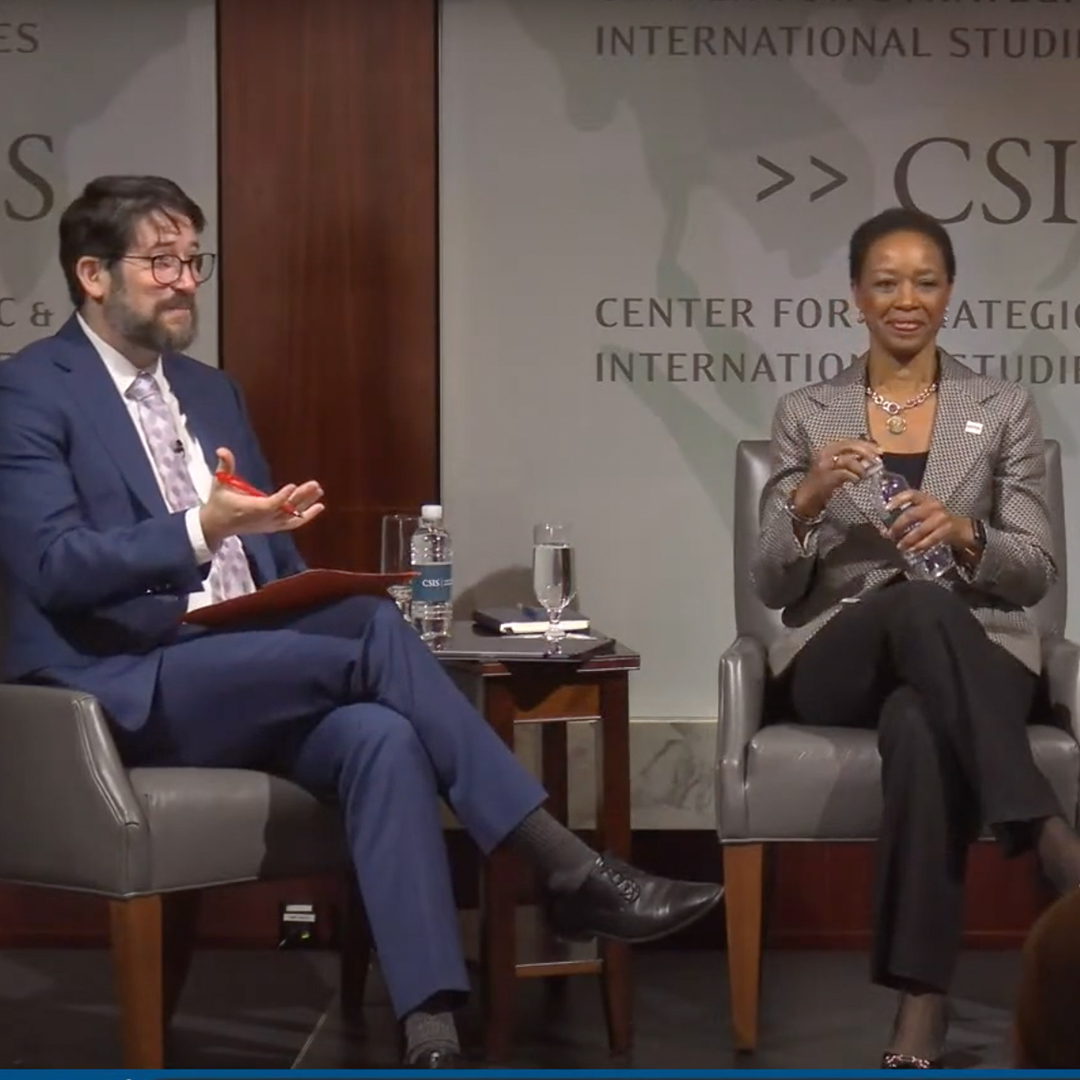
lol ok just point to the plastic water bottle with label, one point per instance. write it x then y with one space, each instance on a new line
927 565
432 559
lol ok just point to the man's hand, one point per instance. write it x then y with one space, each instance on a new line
930 524
231 513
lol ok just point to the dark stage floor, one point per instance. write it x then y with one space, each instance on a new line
278 1010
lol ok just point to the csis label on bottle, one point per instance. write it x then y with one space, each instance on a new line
432 584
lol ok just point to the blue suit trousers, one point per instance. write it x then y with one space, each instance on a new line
351 704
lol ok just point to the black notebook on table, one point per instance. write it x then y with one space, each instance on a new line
525 619
467 642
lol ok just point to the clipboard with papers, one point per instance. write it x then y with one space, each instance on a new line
299 592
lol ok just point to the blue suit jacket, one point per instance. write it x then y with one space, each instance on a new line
97 569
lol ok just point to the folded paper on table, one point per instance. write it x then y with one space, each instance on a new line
524 619
299 592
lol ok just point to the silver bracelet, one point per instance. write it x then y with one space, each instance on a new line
809 523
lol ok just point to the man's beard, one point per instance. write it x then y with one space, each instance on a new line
152 332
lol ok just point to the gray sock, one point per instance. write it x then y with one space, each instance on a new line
562 859
431 1027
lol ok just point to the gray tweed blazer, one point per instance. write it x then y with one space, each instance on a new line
986 461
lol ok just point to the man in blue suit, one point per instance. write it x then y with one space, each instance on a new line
112 526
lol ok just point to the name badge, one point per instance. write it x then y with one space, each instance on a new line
973 427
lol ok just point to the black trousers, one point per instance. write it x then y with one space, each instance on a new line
951 708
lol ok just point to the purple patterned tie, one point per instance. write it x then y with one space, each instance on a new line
229 574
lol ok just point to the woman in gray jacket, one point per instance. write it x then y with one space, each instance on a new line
946 668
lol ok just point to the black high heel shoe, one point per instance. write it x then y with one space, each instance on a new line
908 1061
892 1059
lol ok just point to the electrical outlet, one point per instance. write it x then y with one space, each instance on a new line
296 926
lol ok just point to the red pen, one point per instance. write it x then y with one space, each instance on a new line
237 484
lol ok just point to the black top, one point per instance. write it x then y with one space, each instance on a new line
910 466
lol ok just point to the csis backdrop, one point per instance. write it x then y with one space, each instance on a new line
89 88
645 206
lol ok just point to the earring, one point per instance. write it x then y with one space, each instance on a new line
860 317
945 319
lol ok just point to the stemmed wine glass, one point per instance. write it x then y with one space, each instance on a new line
397 534
553 574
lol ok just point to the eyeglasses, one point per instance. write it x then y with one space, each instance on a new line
169 269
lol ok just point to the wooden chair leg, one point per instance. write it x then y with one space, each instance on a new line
743 871
180 924
355 954
137 958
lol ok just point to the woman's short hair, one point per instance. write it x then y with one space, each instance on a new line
898 219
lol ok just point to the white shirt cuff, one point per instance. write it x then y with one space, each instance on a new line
203 554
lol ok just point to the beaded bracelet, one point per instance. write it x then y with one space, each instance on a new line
789 506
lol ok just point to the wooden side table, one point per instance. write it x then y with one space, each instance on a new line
514 942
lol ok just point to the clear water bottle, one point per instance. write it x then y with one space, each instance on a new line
432 559
927 565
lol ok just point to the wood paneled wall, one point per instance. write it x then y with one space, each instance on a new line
817 897
329 291
329 251
329 267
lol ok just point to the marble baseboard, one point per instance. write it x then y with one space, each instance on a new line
671 772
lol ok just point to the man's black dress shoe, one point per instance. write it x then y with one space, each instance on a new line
620 902
437 1059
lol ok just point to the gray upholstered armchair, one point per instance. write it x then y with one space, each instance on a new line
778 781
72 817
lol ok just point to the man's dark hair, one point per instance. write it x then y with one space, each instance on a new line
101 222
898 219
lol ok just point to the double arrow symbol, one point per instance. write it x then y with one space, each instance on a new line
837 178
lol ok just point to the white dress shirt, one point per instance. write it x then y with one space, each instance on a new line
123 373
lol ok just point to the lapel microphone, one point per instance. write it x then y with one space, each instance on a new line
178 447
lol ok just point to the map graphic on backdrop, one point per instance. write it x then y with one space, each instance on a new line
112 86
645 212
